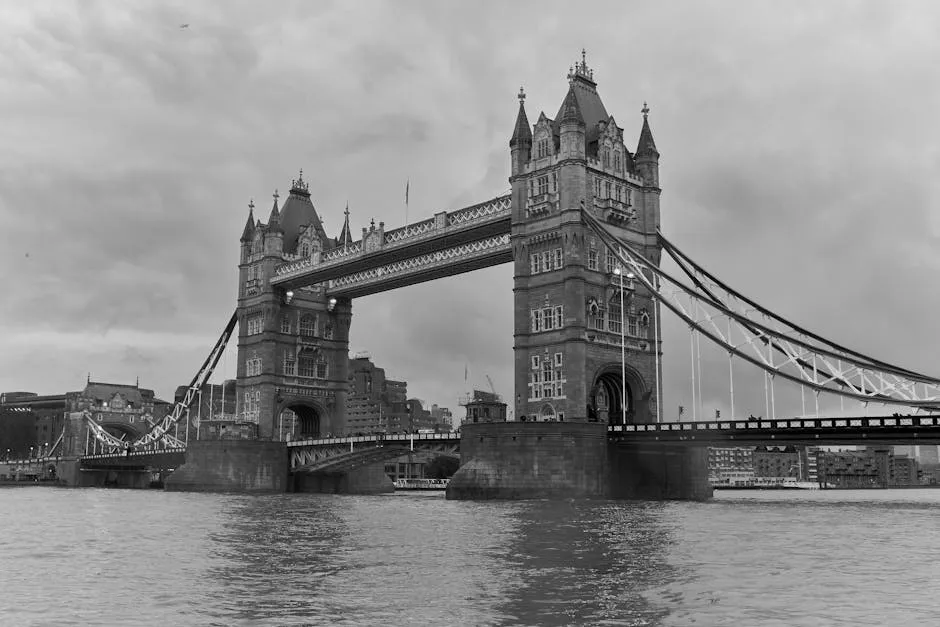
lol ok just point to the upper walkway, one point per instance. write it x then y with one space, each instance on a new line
449 243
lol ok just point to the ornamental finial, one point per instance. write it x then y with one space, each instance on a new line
521 94
251 204
645 110
299 184
276 195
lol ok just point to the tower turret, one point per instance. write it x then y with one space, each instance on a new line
647 157
274 237
572 128
521 142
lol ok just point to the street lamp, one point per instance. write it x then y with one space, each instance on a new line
623 354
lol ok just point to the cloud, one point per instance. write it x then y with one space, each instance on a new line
798 163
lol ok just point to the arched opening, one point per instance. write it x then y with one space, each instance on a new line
607 402
547 413
298 422
121 431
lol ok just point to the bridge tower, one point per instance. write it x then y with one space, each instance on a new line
567 288
292 345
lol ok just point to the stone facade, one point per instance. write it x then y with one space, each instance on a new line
292 345
569 313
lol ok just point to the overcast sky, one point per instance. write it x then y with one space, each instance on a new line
799 140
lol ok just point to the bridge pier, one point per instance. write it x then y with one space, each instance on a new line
557 460
231 466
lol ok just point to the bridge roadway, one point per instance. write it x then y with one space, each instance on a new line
339 454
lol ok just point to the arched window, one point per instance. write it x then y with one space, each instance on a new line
308 325
606 157
305 250
617 161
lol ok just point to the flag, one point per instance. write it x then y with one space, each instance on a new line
407 185
465 368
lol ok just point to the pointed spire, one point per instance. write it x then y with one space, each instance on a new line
274 221
570 109
299 187
345 236
522 132
249 233
646 147
581 70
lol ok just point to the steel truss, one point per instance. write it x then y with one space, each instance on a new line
755 334
159 438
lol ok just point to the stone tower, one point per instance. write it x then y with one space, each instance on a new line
293 346
567 287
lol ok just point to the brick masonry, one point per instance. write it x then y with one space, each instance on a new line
231 466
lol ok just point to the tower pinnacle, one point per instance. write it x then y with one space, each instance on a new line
581 70
249 232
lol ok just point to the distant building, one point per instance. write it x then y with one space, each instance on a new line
927 455
443 419
486 407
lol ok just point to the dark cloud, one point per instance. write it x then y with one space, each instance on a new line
799 163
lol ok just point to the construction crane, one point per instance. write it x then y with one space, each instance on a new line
492 387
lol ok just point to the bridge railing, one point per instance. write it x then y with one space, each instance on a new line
792 423
440 224
378 437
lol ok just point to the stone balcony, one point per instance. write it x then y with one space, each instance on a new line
615 211
542 204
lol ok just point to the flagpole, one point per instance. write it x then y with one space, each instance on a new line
407 186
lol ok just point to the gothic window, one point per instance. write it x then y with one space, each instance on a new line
592 259
290 362
606 157
307 364
554 182
608 186
614 319
255 323
543 185
305 250
628 196
535 263
617 160
546 260
618 192
308 325
285 323
253 367
544 147
559 261
322 369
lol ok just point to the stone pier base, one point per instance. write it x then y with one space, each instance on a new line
231 466
369 479
658 472
531 460
557 460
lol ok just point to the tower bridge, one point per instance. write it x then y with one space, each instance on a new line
581 226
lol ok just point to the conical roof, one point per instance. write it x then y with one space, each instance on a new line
345 236
646 147
248 233
522 132
274 220
298 212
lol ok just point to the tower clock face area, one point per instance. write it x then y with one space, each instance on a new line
585 338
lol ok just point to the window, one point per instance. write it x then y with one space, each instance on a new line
536 317
597 188
255 324
252 405
305 250
617 160
628 196
543 184
596 318
547 260
592 259
536 362
308 326
544 147
554 181
328 330
606 157
547 378
608 187
290 363
253 367
614 318
285 323
307 365
547 318
322 369
618 193
612 261
559 360
632 327
535 263
558 258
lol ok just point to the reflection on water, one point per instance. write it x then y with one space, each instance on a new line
114 557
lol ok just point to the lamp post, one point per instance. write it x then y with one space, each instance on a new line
623 354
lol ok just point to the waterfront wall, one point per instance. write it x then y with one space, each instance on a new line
231 466
369 479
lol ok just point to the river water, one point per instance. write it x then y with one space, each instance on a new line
126 557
